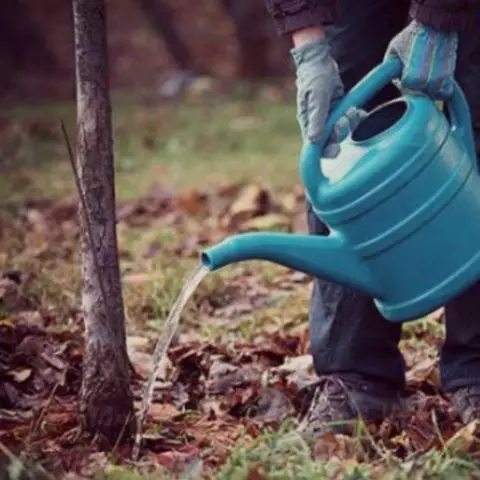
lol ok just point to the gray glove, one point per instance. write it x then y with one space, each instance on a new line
319 88
429 59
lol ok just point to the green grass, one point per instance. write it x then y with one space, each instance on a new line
284 454
192 146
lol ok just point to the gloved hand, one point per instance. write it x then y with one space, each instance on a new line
319 88
429 59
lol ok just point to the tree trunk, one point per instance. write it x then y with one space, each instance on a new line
106 402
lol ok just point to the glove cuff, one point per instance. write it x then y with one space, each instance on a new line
418 28
314 51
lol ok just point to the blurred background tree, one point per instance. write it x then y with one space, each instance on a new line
23 46
157 45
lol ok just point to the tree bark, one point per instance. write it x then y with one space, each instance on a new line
106 402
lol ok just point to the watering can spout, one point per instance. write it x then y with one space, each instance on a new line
328 258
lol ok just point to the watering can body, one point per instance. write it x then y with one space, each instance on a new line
402 202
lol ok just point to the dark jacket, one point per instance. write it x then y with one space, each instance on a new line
292 15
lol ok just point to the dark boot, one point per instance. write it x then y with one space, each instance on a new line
340 401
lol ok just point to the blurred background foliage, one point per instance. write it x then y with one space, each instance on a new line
159 45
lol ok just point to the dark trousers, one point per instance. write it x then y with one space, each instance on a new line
347 332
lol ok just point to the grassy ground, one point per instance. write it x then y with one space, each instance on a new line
214 163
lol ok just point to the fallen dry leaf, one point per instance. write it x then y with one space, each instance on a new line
231 377
137 278
296 364
331 447
38 221
212 408
32 318
257 472
465 438
289 202
192 202
22 375
421 433
424 371
272 406
252 201
135 343
160 412
143 364
15 415
266 222
93 463
299 223
178 461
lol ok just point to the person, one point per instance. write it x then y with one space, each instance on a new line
335 44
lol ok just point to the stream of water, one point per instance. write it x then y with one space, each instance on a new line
163 343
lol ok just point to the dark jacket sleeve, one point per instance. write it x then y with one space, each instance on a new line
445 14
290 15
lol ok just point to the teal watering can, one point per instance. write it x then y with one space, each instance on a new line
402 203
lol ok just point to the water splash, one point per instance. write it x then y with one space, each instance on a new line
171 324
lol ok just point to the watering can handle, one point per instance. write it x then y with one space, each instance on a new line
461 122
378 78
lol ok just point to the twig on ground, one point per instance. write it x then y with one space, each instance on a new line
36 424
438 431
